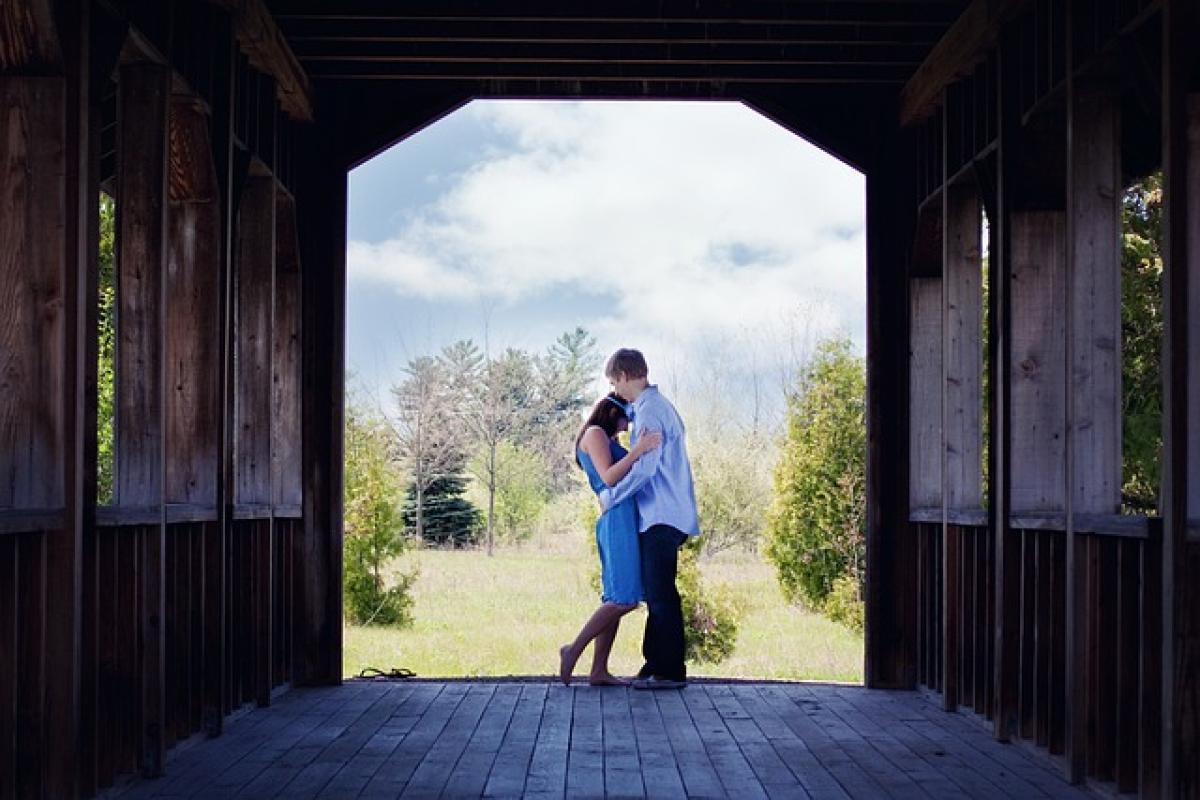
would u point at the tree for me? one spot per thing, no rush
(733, 489)
(449, 518)
(520, 491)
(106, 352)
(1141, 343)
(495, 401)
(564, 373)
(429, 439)
(816, 527)
(373, 526)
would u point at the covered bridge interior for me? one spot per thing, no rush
(224, 130)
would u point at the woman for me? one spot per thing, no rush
(606, 462)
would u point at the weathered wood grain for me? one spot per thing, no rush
(140, 280)
(925, 390)
(253, 341)
(193, 339)
(32, 260)
(1095, 297)
(286, 458)
(1038, 361)
(963, 348)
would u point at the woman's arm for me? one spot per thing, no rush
(595, 444)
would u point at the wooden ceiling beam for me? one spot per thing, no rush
(956, 54)
(891, 12)
(264, 44)
(793, 55)
(613, 71)
(306, 29)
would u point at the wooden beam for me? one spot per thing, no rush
(192, 319)
(321, 213)
(609, 72)
(1038, 361)
(28, 37)
(1007, 579)
(903, 15)
(583, 53)
(32, 326)
(963, 349)
(1094, 218)
(287, 476)
(140, 389)
(255, 311)
(925, 393)
(216, 536)
(70, 751)
(891, 656)
(268, 50)
(1181, 266)
(303, 30)
(956, 54)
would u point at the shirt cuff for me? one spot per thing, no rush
(605, 498)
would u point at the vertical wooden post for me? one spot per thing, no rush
(925, 379)
(287, 473)
(959, 316)
(141, 258)
(963, 354)
(67, 773)
(1181, 270)
(891, 569)
(1093, 386)
(216, 536)
(252, 442)
(1006, 633)
(321, 210)
(193, 348)
(1038, 337)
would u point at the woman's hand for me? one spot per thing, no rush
(646, 442)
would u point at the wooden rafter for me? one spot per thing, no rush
(260, 38)
(955, 55)
(27, 35)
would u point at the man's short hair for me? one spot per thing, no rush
(627, 362)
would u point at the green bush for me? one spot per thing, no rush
(844, 603)
(710, 617)
(816, 528)
(374, 531)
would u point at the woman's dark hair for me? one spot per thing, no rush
(607, 415)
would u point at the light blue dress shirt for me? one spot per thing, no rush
(661, 480)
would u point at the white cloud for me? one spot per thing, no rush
(707, 221)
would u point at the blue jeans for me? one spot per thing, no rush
(663, 643)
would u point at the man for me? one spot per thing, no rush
(661, 485)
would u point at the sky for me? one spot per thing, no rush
(703, 234)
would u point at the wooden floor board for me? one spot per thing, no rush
(460, 739)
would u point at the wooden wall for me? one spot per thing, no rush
(129, 627)
(1066, 623)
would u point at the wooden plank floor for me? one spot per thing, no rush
(534, 739)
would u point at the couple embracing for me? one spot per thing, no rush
(649, 512)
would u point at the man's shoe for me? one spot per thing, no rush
(655, 682)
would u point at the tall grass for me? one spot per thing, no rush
(507, 615)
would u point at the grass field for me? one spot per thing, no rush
(507, 615)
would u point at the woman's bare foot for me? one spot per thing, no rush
(605, 679)
(566, 664)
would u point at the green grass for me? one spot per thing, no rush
(507, 615)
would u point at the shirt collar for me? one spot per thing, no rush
(641, 400)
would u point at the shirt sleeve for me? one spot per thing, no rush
(643, 469)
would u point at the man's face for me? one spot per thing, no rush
(622, 385)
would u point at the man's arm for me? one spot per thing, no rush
(643, 469)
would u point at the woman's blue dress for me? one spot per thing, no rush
(617, 539)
